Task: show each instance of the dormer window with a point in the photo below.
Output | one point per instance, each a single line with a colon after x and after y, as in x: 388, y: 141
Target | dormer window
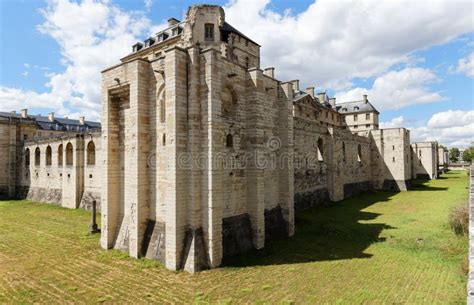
x: 162, y: 37
x: 137, y: 47
x: 209, y: 32
x: 149, y: 42
x: 176, y: 31
x: 356, y: 108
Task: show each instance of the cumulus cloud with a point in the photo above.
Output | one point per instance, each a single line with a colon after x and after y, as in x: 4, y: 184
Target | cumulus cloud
x: 92, y: 35
x: 466, y: 65
x: 398, y: 89
x: 454, y: 128
x: 332, y: 42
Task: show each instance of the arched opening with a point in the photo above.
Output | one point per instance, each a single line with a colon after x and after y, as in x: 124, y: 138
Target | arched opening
x: 37, y: 156
x: 229, y: 141
x: 343, y: 152
x: 27, y: 157
x: 359, y: 153
x: 49, y: 155
x: 229, y: 101
x: 320, y: 150
x: 69, y: 154
x: 60, y: 155
x: 91, y: 153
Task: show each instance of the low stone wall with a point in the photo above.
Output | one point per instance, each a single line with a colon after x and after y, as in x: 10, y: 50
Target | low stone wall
x: 45, y: 195
x: 351, y: 189
x: 470, y: 283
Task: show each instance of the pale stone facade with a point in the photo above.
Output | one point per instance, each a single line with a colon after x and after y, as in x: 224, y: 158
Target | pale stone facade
x: 203, y: 155
x: 425, y: 160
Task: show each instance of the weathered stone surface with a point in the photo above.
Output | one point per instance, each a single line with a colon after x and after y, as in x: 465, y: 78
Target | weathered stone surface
x: 311, y: 199
x: 275, y: 226
x: 236, y: 235
x: 153, y: 246
x: 351, y: 189
x: 396, y: 185
x: 87, y: 198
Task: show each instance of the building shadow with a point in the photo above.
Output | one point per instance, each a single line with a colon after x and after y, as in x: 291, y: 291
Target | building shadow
x: 332, y: 232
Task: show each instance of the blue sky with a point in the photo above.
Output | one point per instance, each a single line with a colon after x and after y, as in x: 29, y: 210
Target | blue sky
x: 416, y: 67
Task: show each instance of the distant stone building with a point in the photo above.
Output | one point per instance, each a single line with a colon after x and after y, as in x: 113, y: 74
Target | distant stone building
x: 425, y: 160
x: 18, y: 128
x: 204, y: 155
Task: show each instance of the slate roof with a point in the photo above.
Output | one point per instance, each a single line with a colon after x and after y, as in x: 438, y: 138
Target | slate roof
x: 301, y: 94
x: 355, y: 107
x: 59, y: 124
x: 228, y: 28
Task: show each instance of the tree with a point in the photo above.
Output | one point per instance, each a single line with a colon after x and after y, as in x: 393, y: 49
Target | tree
x: 453, y: 154
x: 468, y: 154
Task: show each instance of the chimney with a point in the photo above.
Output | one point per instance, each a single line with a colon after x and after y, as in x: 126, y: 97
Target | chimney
x: 269, y: 72
x: 51, y: 116
x: 310, y: 91
x: 82, y: 120
x: 365, y: 98
x: 24, y: 113
x: 332, y: 101
x: 172, y: 21
x: 296, y: 85
x: 322, y: 97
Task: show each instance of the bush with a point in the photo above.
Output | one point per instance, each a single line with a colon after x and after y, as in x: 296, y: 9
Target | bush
x: 459, y: 219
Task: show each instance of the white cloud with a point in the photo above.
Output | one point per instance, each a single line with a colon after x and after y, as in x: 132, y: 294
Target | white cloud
x: 454, y: 128
x: 397, y: 89
x: 92, y: 35
x: 394, y: 123
x: 466, y: 65
x: 332, y: 42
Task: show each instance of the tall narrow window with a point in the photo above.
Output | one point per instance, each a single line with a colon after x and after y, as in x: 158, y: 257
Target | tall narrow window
x: 367, y: 116
x: 27, y: 157
x: 49, y: 155
x: 162, y: 111
x: 355, y: 117
x: 164, y: 139
x: 91, y: 153
x: 320, y: 150
x: 69, y: 154
x: 247, y: 62
x: 209, y: 32
x: 359, y: 153
x: 37, y: 156
x: 343, y: 152
x: 229, y: 141
x: 60, y: 155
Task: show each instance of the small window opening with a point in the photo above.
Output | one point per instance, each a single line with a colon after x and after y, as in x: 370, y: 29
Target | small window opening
x: 209, y: 32
x: 229, y: 141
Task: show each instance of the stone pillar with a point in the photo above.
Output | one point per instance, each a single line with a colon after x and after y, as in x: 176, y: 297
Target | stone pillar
x: 212, y: 185
x: 110, y: 197
x: 255, y: 181
x: 175, y: 200
x: 286, y: 178
x: 137, y: 185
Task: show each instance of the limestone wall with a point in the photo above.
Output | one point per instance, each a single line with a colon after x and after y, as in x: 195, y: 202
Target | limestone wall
x: 5, y: 161
x: 424, y: 160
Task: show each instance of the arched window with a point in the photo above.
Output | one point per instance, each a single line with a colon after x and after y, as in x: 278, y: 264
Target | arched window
x: 69, y: 154
x: 229, y: 101
x: 320, y: 150
x: 91, y: 153
x: 37, y: 156
x: 359, y: 153
x: 229, y: 141
x: 27, y: 157
x: 343, y: 152
x: 60, y: 155
x: 49, y: 155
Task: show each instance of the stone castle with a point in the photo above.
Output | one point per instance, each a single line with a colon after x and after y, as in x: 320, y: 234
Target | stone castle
x: 202, y: 154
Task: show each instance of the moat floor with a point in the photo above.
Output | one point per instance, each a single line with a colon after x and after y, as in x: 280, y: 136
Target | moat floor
x: 374, y: 248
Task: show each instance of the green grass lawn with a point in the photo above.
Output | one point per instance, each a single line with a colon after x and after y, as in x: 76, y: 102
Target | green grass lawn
x: 374, y: 248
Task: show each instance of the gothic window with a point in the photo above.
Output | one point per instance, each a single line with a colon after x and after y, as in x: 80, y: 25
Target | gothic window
x: 209, y: 32
x: 69, y: 154
x: 37, y: 156
x: 320, y: 150
x: 60, y: 155
x: 229, y: 101
x: 91, y: 153
x: 49, y: 155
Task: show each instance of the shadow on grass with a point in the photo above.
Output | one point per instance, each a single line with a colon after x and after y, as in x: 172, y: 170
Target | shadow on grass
x: 422, y: 185
x: 324, y: 233
x: 333, y: 232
